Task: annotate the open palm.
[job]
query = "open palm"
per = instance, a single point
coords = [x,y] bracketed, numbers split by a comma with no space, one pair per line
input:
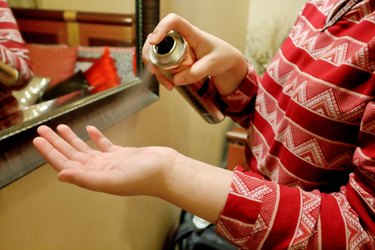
[109,168]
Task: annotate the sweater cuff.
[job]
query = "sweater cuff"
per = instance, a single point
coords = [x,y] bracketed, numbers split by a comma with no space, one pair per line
[234,104]
[241,220]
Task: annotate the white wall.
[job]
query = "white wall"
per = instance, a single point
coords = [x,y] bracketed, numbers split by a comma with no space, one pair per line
[223,18]
[263,12]
[268,24]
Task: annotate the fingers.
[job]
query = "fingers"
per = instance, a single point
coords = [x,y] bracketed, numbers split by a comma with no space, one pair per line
[62,146]
[102,142]
[70,145]
[167,24]
[145,55]
[172,22]
[70,137]
[159,76]
[198,40]
[72,171]
[167,83]
[193,74]
[55,158]
[207,65]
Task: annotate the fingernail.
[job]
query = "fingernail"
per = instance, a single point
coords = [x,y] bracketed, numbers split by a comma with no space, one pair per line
[151,37]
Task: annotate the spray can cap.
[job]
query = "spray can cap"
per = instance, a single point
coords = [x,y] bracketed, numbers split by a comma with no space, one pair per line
[169,52]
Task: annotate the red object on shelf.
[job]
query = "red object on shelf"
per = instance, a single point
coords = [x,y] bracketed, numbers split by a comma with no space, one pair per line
[103,73]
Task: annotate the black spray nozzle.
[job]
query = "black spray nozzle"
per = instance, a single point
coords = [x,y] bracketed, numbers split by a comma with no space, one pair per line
[165,46]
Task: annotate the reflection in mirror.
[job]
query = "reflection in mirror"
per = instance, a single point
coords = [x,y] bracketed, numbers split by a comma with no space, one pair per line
[74,55]
[87,67]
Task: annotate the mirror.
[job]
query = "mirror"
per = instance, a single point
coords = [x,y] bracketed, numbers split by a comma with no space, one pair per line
[99,108]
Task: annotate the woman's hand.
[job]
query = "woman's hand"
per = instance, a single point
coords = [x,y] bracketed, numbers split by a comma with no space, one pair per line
[216,58]
[110,168]
[156,171]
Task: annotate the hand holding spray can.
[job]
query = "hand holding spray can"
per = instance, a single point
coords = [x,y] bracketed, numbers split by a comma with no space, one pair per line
[174,53]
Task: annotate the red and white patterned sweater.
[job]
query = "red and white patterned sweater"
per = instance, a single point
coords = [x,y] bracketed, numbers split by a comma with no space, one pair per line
[12,46]
[311,138]
[13,53]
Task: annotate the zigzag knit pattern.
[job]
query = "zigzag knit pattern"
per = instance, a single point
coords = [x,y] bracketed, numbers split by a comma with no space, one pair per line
[311,146]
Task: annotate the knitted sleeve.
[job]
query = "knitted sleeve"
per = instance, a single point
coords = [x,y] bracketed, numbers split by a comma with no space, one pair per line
[239,105]
[12,47]
[260,214]
[311,145]
[263,214]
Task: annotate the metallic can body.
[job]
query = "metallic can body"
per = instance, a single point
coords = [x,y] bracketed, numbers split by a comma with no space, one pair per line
[173,53]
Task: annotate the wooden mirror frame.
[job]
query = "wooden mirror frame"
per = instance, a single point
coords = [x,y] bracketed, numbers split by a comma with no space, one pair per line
[19,157]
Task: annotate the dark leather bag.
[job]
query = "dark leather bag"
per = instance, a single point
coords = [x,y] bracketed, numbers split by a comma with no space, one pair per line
[189,237]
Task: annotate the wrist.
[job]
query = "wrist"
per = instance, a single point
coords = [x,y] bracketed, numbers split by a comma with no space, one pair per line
[196,187]
[229,81]
[151,172]
[166,158]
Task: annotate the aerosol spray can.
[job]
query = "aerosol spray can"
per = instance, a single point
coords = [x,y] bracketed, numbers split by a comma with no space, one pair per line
[174,53]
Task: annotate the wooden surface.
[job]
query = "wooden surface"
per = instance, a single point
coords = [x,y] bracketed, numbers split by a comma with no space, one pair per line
[76,28]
